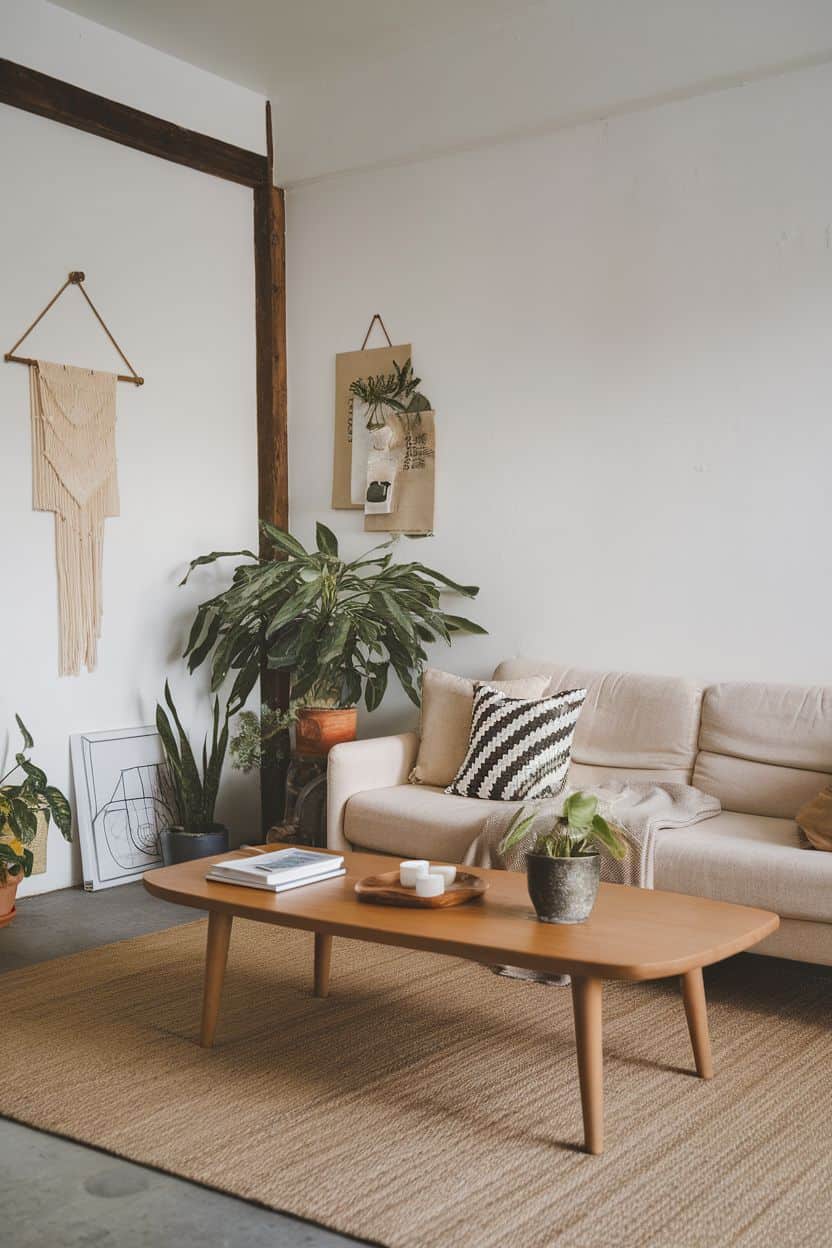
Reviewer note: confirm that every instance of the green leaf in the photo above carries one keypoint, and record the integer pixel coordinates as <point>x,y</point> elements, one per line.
<point>459,624</point>
<point>214,555</point>
<point>28,742</point>
<point>517,829</point>
<point>37,777</point>
<point>243,685</point>
<point>283,540</point>
<point>609,838</point>
<point>326,540</point>
<point>60,810</point>
<point>578,810</point>
<point>23,820</point>
<point>468,591</point>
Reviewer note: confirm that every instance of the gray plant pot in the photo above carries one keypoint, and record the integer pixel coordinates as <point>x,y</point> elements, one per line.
<point>563,890</point>
<point>184,846</point>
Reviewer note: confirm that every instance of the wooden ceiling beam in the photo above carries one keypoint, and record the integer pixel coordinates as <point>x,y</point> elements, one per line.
<point>34,92</point>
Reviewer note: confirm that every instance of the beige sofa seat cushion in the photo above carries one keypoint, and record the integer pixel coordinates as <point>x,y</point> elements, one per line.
<point>750,859</point>
<point>765,749</point>
<point>447,706</point>
<point>629,722</point>
<point>414,821</point>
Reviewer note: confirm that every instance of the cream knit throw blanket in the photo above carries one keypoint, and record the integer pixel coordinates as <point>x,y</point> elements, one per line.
<point>74,475</point>
<point>641,810</point>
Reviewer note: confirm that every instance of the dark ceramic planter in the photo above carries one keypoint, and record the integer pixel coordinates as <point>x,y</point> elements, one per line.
<point>182,846</point>
<point>563,890</point>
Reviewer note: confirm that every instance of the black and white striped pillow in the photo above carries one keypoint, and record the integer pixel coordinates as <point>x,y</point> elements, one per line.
<point>518,748</point>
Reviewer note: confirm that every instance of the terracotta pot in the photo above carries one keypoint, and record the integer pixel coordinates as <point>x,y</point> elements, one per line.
<point>319,728</point>
<point>8,892</point>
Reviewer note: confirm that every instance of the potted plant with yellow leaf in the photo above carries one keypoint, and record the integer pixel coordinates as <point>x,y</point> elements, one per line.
<point>24,806</point>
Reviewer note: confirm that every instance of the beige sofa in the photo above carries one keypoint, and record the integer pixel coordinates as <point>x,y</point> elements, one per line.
<point>763,750</point>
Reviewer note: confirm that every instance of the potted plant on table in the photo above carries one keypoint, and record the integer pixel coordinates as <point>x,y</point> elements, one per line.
<point>563,866</point>
<point>337,627</point>
<point>192,795</point>
<point>25,807</point>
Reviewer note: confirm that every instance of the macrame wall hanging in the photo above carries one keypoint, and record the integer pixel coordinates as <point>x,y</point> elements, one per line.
<point>73,412</point>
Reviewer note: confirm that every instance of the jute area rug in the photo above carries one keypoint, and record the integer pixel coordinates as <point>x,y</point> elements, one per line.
<point>429,1102</point>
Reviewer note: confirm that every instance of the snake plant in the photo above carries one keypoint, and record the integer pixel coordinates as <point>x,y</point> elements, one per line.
<point>194,795</point>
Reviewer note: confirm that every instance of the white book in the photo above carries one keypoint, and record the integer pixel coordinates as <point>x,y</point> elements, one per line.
<point>283,887</point>
<point>279,867</point>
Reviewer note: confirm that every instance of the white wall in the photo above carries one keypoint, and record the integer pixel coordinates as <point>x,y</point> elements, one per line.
<point>625,329</point>
<point>168,255</point>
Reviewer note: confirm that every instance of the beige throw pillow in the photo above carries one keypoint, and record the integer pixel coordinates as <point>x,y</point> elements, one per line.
<point>815,819</point>
<point>447,705</point>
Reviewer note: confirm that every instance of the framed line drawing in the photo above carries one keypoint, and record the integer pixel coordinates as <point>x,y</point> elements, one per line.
<point>123,802</point>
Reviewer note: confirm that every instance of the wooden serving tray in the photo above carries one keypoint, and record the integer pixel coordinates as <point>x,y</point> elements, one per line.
<point>385,890</point>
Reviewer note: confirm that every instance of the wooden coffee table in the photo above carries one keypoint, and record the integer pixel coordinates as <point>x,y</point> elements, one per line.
<point>633,934</point>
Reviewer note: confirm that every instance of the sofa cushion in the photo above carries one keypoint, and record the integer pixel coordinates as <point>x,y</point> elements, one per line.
<point>629,722</point>
<point>750,859</point>
<point>765,749</point>
<point>447,705</point>
<point>815,820</point>
<point>415,821</point>
<point>520,747</point>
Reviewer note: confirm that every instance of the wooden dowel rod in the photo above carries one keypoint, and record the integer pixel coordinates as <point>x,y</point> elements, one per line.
<point>22,359</point>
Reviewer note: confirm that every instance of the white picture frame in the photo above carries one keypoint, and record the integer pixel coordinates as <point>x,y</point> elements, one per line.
<point>121,803</point>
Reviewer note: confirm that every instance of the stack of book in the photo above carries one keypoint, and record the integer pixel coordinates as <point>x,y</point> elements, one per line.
<point>280,871</point>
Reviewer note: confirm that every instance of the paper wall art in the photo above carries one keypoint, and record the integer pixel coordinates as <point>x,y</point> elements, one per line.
<point>123,802</point>
<point>351,433</point>
<point>385,445</point>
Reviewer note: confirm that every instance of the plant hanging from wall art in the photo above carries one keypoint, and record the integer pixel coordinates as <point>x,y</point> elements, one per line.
<point>391,392</point>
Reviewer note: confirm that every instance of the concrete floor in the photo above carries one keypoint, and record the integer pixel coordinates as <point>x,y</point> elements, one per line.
<point>56,1194</point>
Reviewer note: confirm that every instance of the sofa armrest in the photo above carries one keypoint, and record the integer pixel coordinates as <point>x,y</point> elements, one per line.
<point>356,766</point>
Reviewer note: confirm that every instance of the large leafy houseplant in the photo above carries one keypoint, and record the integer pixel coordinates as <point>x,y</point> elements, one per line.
<point>338,627</point>
<point>193,794</point>
<point>22,806</point>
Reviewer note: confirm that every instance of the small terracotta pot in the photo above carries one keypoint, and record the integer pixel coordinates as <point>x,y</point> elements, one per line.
<point>8,892</point>
<point>320,727</point>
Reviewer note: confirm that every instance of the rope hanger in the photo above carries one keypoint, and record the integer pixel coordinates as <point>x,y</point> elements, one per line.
<point>76,278</point>
<point>376,317</point>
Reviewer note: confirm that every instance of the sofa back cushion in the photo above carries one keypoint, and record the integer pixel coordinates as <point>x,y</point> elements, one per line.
<point>447,705</point>
<point>630,724</point>
<point>765,749</point>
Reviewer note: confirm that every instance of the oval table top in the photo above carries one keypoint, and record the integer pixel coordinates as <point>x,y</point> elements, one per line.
<point>632,933</point>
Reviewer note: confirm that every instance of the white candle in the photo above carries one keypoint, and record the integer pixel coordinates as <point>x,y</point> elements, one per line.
<point>448,873</point>
<point>431,885</point>
<point>411,871</point>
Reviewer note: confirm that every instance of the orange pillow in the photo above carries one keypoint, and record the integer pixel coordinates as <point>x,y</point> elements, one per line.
<point>815,819</point>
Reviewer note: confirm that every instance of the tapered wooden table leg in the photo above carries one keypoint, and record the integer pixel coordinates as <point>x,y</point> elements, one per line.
<point>216,956</point>
<point>323,955</point>
<point>586,1007</point>
<point>693,993</point>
